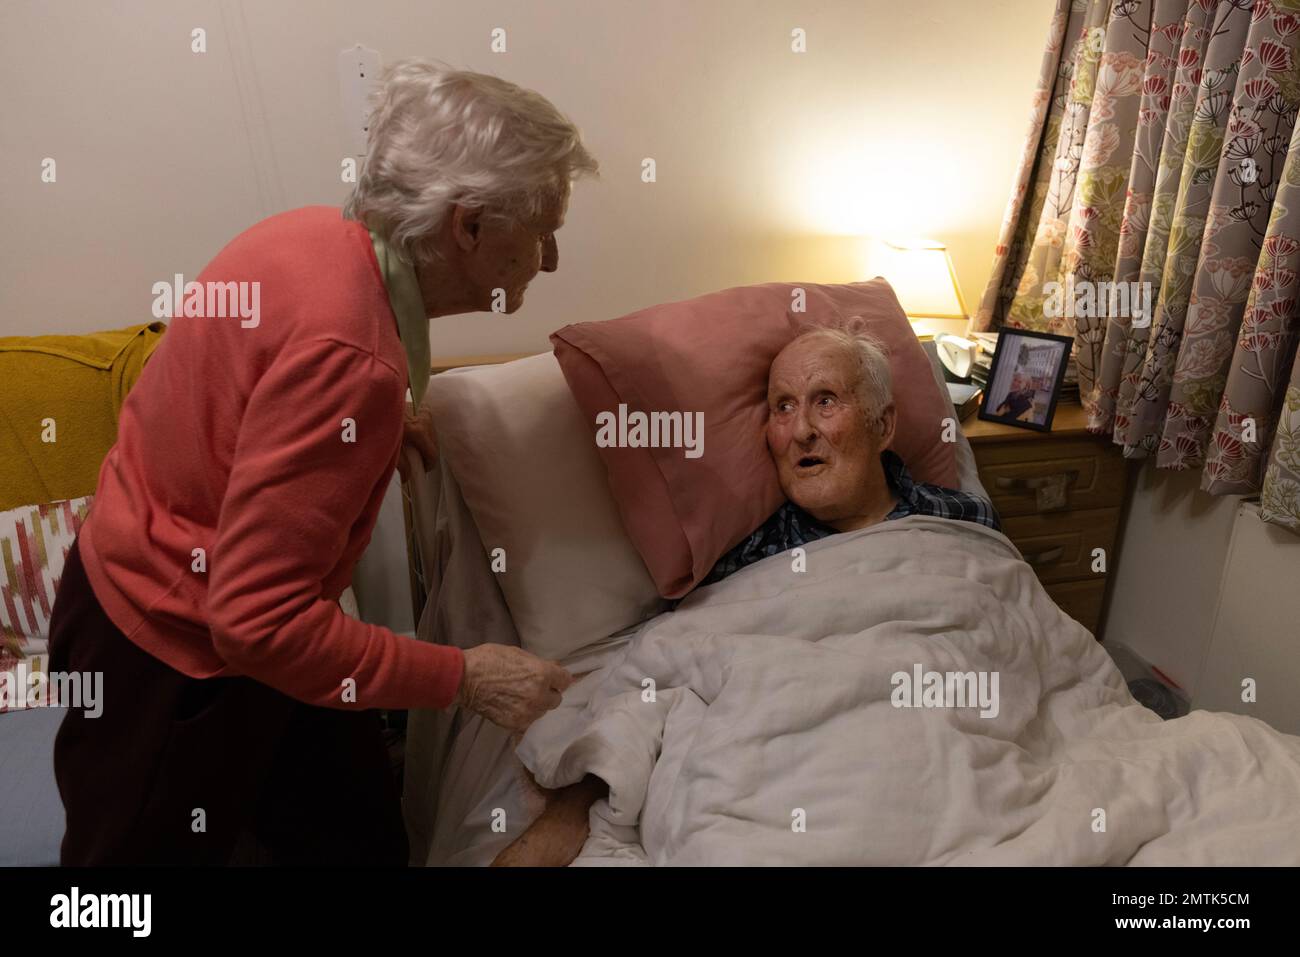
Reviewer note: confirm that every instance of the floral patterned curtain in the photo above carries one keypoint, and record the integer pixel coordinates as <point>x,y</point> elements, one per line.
<point>1163,149</point>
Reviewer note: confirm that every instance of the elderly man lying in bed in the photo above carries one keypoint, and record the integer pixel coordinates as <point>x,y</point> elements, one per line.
<point>830,425</point>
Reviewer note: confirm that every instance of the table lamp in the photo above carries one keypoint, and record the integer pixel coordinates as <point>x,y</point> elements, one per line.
<point>920,270</point>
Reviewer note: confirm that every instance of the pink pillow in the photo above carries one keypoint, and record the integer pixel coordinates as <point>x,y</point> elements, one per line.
<point>711,355</point>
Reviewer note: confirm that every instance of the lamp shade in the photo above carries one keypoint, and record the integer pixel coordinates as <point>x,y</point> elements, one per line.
<point>923,278</point>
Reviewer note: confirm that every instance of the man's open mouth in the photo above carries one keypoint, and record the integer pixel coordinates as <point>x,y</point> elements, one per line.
<point>811,461</point>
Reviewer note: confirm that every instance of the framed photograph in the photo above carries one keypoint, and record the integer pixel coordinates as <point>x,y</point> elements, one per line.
<point>1025,379</point>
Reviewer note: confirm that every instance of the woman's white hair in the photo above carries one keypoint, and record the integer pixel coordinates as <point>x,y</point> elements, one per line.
<point>440,137</point>
<point>874,383</point>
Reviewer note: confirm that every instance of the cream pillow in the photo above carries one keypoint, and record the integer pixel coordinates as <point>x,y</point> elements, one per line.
<point>535,485</point>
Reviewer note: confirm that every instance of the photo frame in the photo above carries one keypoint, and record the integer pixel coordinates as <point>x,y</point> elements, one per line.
<point>1025,379</point>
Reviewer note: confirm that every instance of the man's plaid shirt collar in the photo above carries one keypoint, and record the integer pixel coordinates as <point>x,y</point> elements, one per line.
<point>790,526</point>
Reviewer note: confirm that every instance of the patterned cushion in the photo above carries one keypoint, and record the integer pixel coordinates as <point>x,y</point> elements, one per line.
<point>24,683</point>
<point>34,541</point>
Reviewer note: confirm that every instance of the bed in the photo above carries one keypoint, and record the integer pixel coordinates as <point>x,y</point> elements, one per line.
<point>466,793</point>
<point>754,750</point>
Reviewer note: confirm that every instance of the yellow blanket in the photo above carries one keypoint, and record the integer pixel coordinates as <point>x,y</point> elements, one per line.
<point>59,402</point>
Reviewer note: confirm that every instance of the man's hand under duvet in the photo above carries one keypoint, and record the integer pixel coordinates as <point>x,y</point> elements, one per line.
<point>557,836</point>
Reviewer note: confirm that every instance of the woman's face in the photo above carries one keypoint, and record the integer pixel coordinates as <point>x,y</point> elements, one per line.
<point>509,254</point>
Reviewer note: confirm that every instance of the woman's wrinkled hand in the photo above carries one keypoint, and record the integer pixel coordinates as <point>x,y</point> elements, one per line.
<point>418,436</point>
<point>509,686</point>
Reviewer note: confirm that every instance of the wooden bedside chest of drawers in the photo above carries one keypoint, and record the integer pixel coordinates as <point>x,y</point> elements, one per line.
<point>1060,495</point>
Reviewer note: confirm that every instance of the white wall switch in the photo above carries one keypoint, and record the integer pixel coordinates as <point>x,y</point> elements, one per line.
<point>358,78</point>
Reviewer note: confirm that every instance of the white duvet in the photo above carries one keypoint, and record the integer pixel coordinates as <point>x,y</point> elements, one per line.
<point>757,724</point>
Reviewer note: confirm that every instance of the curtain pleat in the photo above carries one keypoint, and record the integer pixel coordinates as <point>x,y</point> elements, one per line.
<point>1259,388</point>
<point>1191,208</point>
<point>1092,241</point>
<point>1195,34</point>
<point>1254,149</point>
<point>1123,345</point>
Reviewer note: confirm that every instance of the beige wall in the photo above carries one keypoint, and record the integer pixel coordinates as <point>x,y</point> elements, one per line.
<point>901,119</point>
<point>1171,555</point>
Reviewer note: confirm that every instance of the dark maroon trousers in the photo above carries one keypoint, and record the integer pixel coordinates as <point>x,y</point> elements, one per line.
<point>179,770</point>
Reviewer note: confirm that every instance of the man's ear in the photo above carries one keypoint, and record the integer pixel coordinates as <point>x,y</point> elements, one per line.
<point>888,420</point>
<point>464,225</point>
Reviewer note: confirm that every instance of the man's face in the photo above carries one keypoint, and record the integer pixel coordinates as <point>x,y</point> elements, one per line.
<point>826,455</point>
<point>509,254</point>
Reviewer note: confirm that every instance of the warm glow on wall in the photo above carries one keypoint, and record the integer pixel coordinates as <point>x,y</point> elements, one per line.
<point>853,182</point>
<point>877,168</point>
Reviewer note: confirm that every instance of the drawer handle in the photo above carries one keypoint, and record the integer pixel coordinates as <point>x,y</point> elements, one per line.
<point>1048,557</point>
<point>1033,484</point>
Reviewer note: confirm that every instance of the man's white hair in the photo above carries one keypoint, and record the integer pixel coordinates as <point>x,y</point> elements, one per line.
<point>874,383</point>
<point>440,137</point>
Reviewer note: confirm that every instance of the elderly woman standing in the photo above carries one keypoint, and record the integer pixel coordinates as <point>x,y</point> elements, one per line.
<point>250,465</point>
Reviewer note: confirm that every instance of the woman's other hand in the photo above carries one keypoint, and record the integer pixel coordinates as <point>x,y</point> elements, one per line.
<point>418,436</point>
<point>509,686</point>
